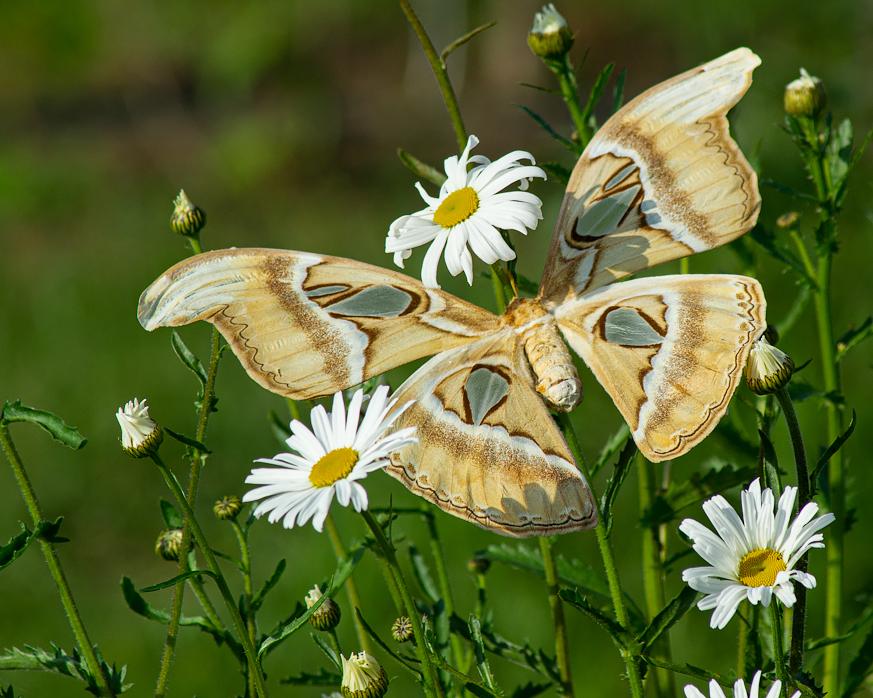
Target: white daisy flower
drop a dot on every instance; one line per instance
(363, 676)
(754, 557)
(470, 208)
(329, 460)
(140, 434)
(739, 690)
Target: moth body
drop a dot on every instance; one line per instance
(557, 379)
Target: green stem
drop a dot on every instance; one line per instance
(248, 590)
(339, 550)
(218, 576)
(609, 566)
(684, 266)
(742, 644)
(778, 651)
(389, 557)
(77, 625)
(653, 578)
(570, 94)
(439, 70)
(197, 460)
(562, 645)
(439, 561)
(205, 602)
(195, 244)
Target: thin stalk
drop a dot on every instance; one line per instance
(212, 564)
(563, 70)
(389, 557)
(684, 266)
(609, 566)
(195, 244)
(439, 70)
(205, 602)
(742, 645)
(653, 578)
(77, 625)
(339, 550)
(197, 460)
(562, 645)
(778, 651)
(248, 590)
(439, 562)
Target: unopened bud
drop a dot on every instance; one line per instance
(169, 544)
(401, 629)
(363, 677)
(227, 508)
(805, 96)
(187, 219)
(550, 38)
(326, 616)
(478, 564)
(768, 369)
(141, 436)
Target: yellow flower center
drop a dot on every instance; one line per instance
(333, 466)
(457, 207)
(759, 568)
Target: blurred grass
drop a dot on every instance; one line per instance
(281, 120)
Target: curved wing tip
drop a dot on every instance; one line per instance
(146, 309)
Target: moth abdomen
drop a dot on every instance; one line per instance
(557, 379)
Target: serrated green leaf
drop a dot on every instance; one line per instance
(322, 678)
(59, 430)
(835, 446)
(479, 653)
(187, 440)
(682, 494)
(853, 337)
(668, 617)
(59, 661)
(271, 582)
(188, 358)
(173, 581)
(16, 546)
(172, 517)
(621, 637)
(620, 472)
(566, 142)
(613, 445)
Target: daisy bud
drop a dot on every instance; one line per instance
(768, 369)
(478, 565)
(227, 508)
(363, 677)
(169, 544)
(550, 38)
(327, 616)
(805, 96)
(187, 219)
(140, 434)
(401, 629)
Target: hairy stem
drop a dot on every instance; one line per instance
(77, 625)
(609, 566)
(339, 550)
(212, 564)
(248, 590)
(197, 460)
(778, 651)
(562, 645)
(439, 70)
(389, 557)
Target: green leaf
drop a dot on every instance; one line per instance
(621, 637)
(596, 93)
(460, 41)
(322, 678)
(768, 464)
(531, 689)
(668, 617)
(777, 249)
(16, 546)
(853, 337)
(59, 430)
(837, 444)
(561, 174)
(271, 582)
(481, 657)
(59, 661)
(280, 427)
(566, 142)
(420, 168)
(800, 390)
(622, 468)
(839, 152)
(618, 92)
(172, 517)
(842, 186)
(187, 440)
(324, 646)
(613, 445)
(188, 358)
(682, 494)
(167, 583)
(8, 692)
(422, 575)
(860, 667)
(787, 190)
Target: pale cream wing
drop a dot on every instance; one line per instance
(488, 450)
(305, 325)
(662, 179)
(669, 350)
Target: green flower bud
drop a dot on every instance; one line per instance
(327, 616)
(187, 219)
(805, 96)
(768, 369)
(401, 629)
(169, 544)
(478, 565)
(141, 436)
(550, 38)
(227, 508)
(363, 677)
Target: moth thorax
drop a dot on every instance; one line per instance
(557, 379)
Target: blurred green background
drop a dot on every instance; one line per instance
(281, 119)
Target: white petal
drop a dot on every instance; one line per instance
(432, 259)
